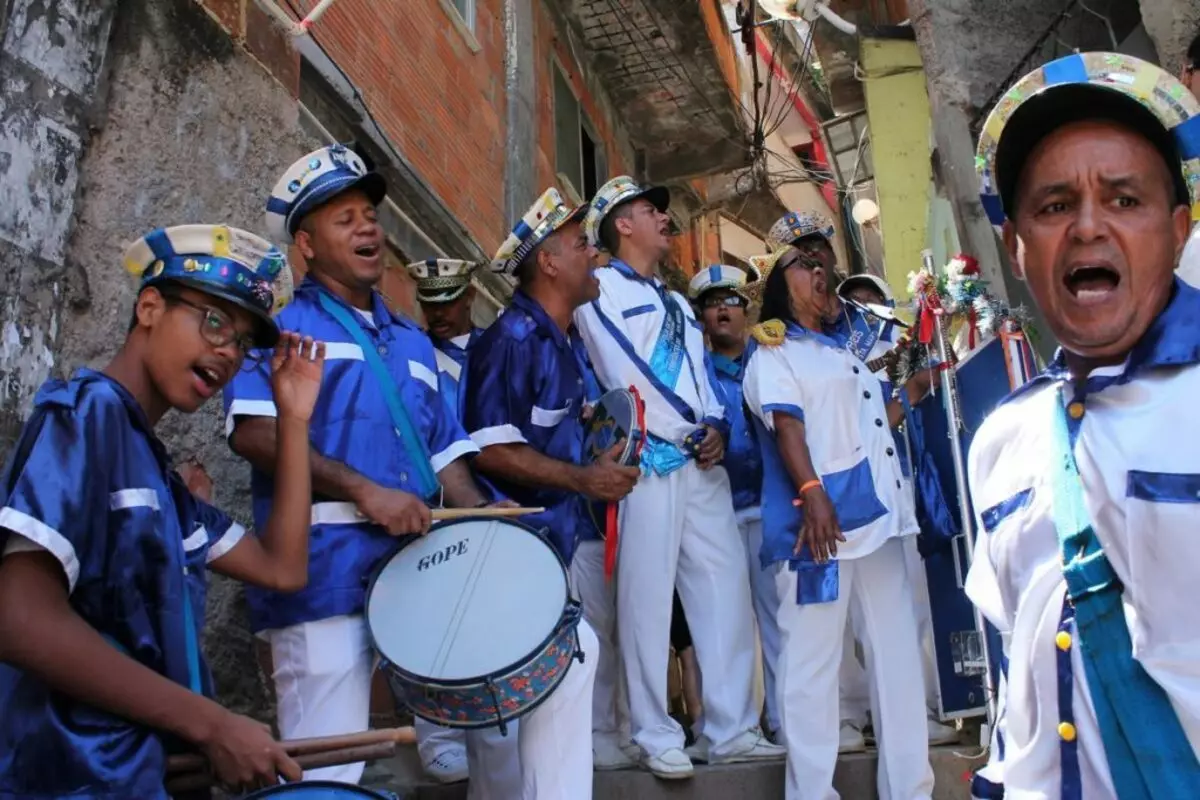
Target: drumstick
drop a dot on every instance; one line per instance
(466, 513)
(193, 780)
(309, 747)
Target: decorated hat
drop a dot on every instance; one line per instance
(228, 263)
(616, 192)
(543, 218)
(720, 276)
(314, 180)
(441, 280)
(796, 225)
(1080, 87)
(865, 279)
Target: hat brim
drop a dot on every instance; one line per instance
(868, 281)
(373, 185)
(266, 331)
(659, 197)
(728, 287)
(439, 296)
(1062, 104)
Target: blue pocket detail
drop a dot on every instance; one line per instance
(853, 494)
(1163, 487)
(993, 516)
(633, 312)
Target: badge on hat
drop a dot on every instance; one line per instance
(618, 191)
(1126, 78)
(441, 280)
(314, 180)
(543, 218)
(720, 276)
(798, 225)
(229, 263)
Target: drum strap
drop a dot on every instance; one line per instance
(1148, 753)
(414, 446)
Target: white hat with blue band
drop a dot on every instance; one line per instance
(313, 181)
(548, 213)
(720, 276)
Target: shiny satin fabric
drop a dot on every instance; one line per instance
(743, 461)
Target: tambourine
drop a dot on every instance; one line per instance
(618, 416)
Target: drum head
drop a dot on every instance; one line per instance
(318, 790)
(614, 419)
(470, 599)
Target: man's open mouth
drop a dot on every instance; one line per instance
(367, 250)
(1091, 282)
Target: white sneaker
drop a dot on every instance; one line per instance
(670, 765)
(698, 752)
(449, 767)
(606, 755)
(750, 746)
(941, 734)
(850, 739)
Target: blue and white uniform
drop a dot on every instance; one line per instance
(322, 656)
(451, 356)
(529, 386)
(815, 379)
(638, 333)
(92, 485)
(1141, 486)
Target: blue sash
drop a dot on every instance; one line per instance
(414, 446)
(863, 334)
(1148, 754)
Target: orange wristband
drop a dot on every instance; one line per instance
(799, 501)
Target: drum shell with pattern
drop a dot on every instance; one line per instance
(614, 418)
(473, 622)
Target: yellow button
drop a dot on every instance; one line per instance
(1067, 731)
(1075, 410)
(1063, 640)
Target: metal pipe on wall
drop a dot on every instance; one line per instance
(520, 135)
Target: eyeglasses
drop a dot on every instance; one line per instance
(730, 301)
(218, 329)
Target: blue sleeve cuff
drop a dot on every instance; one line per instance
(720, 424)
(784, 408)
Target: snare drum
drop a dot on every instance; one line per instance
(473, 622)
(319, 790)
(616, 417)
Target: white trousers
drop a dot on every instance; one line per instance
(610, 708)
(813, 637)
(762, 592)
(435, 741)
(322, 675)
(855, 688)
(678, 532)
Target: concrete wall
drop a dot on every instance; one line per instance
(1172, 24)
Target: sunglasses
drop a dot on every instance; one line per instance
(729, 301)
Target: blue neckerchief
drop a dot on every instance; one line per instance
(1148, 753)
(732, 367)
(414, 446)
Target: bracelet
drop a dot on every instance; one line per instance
(809, 485)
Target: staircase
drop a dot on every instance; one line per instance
(854, 780)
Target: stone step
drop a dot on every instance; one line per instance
(854, 780)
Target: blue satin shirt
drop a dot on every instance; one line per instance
(529, 383)
(743, 460)
(351, 424)
(90, 483)
(452, 364)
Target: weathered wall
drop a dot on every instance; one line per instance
(1172, 24)
(195, 131)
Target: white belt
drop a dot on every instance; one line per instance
(336, 514)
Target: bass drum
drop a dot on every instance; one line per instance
(319, 790)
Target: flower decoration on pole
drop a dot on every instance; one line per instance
(961, 293)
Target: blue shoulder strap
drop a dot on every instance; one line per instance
(1148, 753)
(413, 444)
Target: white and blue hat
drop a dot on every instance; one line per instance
(441, 280)
(229, 263)
(548, 213)
(720, 276)
(871, 281)
(314, 180)
(796, 225)
(620, 190)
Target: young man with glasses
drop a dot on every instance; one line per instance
(103, 549)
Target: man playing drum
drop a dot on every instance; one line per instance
(1086, 481)
(676, 526)
(529, 376)
(385, 445)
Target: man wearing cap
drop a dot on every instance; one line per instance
(719, 295)
(530, 380)
(445, 293)
(675, 526)
(385, 445)
(104, 551)
(1085, 559)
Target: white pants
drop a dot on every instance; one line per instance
(813, 637)
(610, 709)
(678, 532)
(323, 687)
(762, 592)
(435, 741)
(855, 688)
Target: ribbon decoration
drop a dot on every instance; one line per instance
(611, 529)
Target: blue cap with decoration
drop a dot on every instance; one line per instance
(313, 181)
(796, 225)
(229, 263)
(620, 190)
(549, 213)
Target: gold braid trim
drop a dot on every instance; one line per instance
(770, 333)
